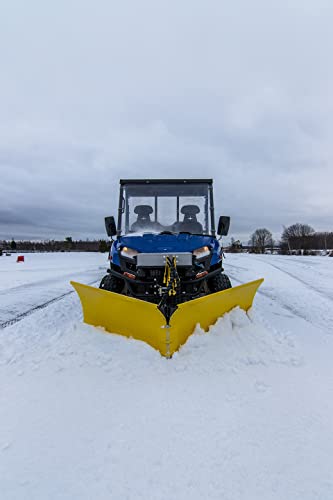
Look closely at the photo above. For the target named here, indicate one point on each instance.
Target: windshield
(165, 207)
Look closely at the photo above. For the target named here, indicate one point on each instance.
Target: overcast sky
(92, 91)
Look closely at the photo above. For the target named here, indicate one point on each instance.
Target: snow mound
(238, 339)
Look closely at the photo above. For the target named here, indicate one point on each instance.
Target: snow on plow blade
(143, 321)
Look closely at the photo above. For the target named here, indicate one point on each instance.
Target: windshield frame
(158, 188)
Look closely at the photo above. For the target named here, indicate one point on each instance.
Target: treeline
(295, 239)
(67, 245)
(302, 237)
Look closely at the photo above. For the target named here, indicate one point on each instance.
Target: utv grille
(156, 273)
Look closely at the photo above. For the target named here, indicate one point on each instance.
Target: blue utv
(166, 227)
(166, 274)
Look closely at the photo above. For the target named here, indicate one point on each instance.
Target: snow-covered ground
(41, 278)
(244, 412)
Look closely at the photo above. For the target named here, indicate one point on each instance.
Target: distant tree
(261, 239)
(103, 246)
(297, 231)
(68, 243)
(296, 236)
(13, 244)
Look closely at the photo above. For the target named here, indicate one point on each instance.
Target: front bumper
(152, 288)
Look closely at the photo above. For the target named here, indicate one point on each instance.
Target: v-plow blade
(142, 320)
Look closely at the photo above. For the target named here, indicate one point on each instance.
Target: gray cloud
(91, 93)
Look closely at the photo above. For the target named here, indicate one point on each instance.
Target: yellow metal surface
(123, 315)
(143, 321)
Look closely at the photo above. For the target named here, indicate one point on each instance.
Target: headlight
(201, 252)
(130, 253)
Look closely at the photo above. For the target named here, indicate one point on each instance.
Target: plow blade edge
(143, 321)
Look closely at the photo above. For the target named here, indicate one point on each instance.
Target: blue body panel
(155, 243)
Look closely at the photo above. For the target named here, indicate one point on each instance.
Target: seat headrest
(143, 210)
(190, 210)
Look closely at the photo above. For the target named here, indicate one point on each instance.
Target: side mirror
(110, 226)
(223, 226)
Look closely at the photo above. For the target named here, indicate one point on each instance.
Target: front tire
(111, 284)
(219, 282)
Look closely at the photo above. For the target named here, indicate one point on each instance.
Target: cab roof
(165, 181)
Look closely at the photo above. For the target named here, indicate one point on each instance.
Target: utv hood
(158, 243)
(150, 243)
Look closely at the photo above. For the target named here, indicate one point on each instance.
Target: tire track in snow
(297, 278)
(23, 315)
(321, 316)
(46, 281)
(273, 297)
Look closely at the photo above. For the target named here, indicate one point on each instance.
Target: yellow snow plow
(166, 271)
(143, 321)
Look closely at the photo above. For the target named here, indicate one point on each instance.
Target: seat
(190, 223)
(143, 221)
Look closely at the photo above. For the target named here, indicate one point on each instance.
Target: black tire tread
(111, 284)
(219, 282)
